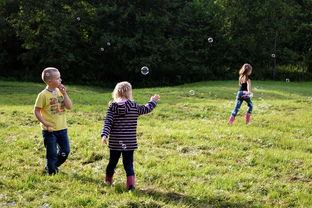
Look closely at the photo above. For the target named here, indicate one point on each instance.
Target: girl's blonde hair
(244, 72)
(122, 90)
(48, 73)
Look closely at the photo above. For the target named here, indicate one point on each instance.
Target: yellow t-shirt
(52, 109)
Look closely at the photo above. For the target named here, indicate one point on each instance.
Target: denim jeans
(57, 149)
(240, 97)
(127, 159)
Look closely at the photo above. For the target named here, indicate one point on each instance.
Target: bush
(297, 72)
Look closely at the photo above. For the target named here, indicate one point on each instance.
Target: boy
(50, 111)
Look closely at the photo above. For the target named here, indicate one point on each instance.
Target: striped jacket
(121, 124)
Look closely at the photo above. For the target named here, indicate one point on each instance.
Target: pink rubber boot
(247, 118)
(109, 180)
(130, 183)
(231, 120)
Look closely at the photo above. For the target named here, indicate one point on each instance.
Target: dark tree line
(106, 41)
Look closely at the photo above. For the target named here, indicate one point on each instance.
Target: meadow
(188, 156)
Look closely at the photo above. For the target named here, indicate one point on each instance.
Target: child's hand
(155, 98)
(104, 140)
(49, 127)
(62, 89)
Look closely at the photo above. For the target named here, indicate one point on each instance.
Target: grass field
(188, 156)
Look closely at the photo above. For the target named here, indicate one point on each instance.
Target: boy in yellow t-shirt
(50, 111)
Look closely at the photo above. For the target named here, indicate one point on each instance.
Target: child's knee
(64, 154)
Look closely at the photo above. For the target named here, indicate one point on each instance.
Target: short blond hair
(48, 73)
(122, 90)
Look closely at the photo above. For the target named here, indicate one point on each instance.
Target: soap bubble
(78, 19)
(144, 70)
(124, 146)
(108, 44)
(192, 92)
(273, 55)
(102, 49)
(287, 80)
(45, 205)
(210, 39)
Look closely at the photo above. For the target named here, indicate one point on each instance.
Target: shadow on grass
(176, 198)
(160, 198)
(83, 178)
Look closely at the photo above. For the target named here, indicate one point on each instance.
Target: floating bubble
(108, 44)
(78, 19)
(250, 95)
(120, 142)
(45, 205)
(124, 146)
(273, 55)
(192, 92)
(102, 49)
(210, 39)
(144, 70)
(287, 80)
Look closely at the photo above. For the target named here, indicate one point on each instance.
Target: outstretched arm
(143, 109)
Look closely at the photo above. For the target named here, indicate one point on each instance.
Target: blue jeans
(57, 149)
(127, 160)
(240, 97)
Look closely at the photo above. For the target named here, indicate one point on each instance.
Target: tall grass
(188, 156)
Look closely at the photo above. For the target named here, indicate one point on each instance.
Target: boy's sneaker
(51, 172)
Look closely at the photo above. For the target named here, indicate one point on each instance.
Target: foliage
(108, 41)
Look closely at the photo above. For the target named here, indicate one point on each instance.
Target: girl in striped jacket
(120, 125)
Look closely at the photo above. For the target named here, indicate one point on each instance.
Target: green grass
(188, 156)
